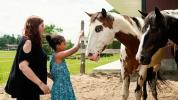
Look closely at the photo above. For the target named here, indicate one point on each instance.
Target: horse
(104, 27)
(159, 26)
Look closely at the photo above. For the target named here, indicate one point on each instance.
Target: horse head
(154, 37)
(100, 33)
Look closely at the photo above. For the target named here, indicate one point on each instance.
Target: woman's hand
(44, 88)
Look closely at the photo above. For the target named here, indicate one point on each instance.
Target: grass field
(7, 57)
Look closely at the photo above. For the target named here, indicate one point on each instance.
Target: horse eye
(98, 28)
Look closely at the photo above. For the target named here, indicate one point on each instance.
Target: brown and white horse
(104, 27)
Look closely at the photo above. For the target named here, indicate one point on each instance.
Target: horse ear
(88, 14)
(103, 12)
(144, 14)
(158, 13)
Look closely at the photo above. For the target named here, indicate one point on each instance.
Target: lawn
(6, 60)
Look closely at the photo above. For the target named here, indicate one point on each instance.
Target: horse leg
(140, 81)
(176, 56)
(153, 87)
(144, 91)
(153, 81)
(125, 84)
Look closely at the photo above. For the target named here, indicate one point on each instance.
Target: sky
(66, 14)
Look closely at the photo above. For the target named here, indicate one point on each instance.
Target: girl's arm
(66, 53)
(28, 72)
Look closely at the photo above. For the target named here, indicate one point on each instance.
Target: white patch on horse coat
(125, 88)
(123, 52)
(143, 73)
(141, 21)
(171, 13)
(138, 55)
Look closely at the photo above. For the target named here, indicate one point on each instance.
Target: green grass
(7, 57)
(74, 65)
(6, 60)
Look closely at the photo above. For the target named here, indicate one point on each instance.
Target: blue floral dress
(62, 87)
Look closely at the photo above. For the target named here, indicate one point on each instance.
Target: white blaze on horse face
(97, 40)
(138, 55)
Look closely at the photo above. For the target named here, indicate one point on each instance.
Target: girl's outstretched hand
(81, 33)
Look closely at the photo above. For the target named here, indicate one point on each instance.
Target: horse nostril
(90, 54)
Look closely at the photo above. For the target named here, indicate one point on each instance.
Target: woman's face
(41, 28)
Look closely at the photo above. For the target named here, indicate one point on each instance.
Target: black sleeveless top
(18, 84)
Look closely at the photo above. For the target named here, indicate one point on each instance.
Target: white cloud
(66, 14)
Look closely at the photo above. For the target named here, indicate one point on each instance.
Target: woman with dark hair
(28, 76)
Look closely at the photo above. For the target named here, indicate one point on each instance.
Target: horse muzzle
(93, 57)
(144, 60)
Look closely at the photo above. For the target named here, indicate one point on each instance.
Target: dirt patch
(108, 87)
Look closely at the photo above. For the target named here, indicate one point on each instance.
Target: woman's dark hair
(54, 40)
(31, 29)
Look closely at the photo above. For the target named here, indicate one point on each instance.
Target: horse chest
(128, 61)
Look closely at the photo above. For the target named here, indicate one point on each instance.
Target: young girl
(62, 87)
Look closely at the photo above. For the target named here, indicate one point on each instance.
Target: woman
(28, 76)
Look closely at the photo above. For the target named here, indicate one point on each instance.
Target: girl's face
(41, 28)
(62, 46)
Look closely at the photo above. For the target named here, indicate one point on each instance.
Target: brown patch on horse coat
(131, 43)
(107, 21)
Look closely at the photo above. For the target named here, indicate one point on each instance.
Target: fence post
(82, 46)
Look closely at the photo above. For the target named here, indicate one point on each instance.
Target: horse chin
(94, 57)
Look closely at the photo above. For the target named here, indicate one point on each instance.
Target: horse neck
(127, 32)
(172, 24)
(128, 25)
(129, 41)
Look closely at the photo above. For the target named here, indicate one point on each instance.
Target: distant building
(149, 5)
(126, 7)
(11, 46)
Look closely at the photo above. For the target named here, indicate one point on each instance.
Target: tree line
(49, 30)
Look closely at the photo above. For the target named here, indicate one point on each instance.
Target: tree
(114, 45)
(8, 39)
(50, 29)
(69, 44)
